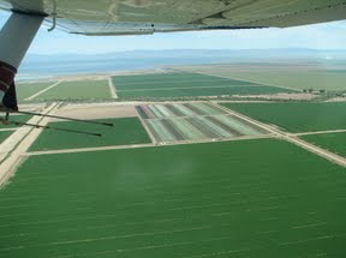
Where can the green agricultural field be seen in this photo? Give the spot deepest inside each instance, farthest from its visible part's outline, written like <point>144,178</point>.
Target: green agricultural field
<point>181,84</point>
<point>334,142</point>
<point>25,90</point>
<point>77,90</point>
<point>16,118</point>
<point>155,77</point>
<point>235,199</point>
<point>125,131</point>
<point>4,135</point>
<point>186,85</point>
<point>213,91</point>
<point>317,80</point>
<point>200,81</point>
<point>295,76</point>
<point>296,117</point>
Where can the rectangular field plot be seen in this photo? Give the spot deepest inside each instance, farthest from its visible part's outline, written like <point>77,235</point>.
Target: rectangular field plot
<point>235,199</point>
<point>201,128</point>
<point>177,85</point>
<point>126,131</point>
<point>177,110</point>
<point>153,77</point>
<point>25,90</point>
<point>200,92</point>
<point>318,79</point>
<point>77,90</point>
<point>193,121</point>
<point>334,142</point>
<point>169,82</point>
<point>296,117</point>
<point>329,76</point>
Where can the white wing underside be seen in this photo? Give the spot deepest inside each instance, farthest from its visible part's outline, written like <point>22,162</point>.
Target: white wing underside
<point>119,17</point>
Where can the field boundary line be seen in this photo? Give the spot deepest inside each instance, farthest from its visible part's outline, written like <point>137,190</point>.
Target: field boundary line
<point>43,91</point>
<point>91,149</point>
<point>157,80</point>
<point>163,82</point>
<point>246,101</point>
<point>319,151</point>
<point>8,129</point>
<point>186,116</point>
<point>291,138</point>
<point>321,132</point>
<point>148,145</point>
<point>112,89</point>
<point>9,144</point>
<point>153,140</point>
<point>252,81</point>
<point>189,88</point>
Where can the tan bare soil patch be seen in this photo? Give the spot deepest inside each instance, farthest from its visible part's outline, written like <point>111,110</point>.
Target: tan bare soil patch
<point>337,99</point>
<point>97,111</point>
<point>32,107</point>
<point>281,96</point>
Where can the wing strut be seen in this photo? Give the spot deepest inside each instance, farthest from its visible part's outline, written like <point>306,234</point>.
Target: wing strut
<point>16,37</point>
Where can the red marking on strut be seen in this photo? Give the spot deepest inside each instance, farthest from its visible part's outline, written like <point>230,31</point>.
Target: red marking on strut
<point>3,87</point>
<point>7,74</point>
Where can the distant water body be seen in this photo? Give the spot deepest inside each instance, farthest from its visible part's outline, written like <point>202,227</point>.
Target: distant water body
<point>46,69</point>
<point>40,67</point>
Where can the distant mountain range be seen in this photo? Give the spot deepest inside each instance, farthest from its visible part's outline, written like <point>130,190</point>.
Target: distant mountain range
<point>36,66</point>
<point>194,54</point>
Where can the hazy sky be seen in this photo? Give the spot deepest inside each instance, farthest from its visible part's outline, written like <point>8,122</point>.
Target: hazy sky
<point>321,36</point>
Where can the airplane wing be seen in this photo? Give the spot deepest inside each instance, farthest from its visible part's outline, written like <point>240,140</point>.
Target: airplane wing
<point>122,17</point>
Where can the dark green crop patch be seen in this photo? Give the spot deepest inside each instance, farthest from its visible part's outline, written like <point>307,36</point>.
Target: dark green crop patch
<point>4,135</point>
<point>126,131</point>
<point>179,85</point>
<point>296,117</point>
<point>334,142</point>
<point>259,198</point>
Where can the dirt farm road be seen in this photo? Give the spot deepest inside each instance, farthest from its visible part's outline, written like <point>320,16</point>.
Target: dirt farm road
<point>19,143</point>
<point>148,145</point>
<point>112,90</point>
<point>43,91</point>
<point>320,132</point>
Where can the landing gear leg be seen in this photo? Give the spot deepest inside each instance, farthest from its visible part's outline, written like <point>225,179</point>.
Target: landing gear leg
<point>6,120</point>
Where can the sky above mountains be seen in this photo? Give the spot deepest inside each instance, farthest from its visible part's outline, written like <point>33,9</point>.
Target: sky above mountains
<point>320,36</point>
